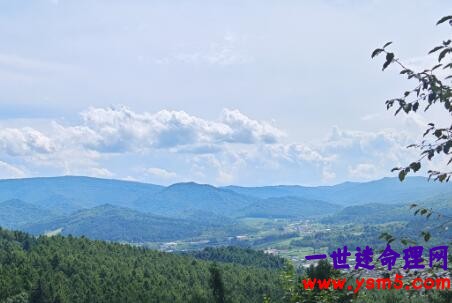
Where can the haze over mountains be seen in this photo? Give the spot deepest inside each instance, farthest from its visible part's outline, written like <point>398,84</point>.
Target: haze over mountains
<point>80,192</point>
<point>114,223</point>
<point>131,211</point>
<point>386,190</point>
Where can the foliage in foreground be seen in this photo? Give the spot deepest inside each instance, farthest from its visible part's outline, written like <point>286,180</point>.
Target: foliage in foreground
<point>67,269</point>
<point>432,88</point>
<point>242,256</point>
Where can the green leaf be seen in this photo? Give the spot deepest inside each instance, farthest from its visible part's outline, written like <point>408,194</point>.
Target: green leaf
<point>438,149</point>
<point>436,66</point>
<point>376,52</point>
<point>442,177</point>
<point>436,49</point>
<point>387,44</point>
<point>389,58</point>
<point>407,108</point>
<point>415,166</point>
<point>402,175</point>
<point>442,54</point>
<point>438,133</point>
<point>431,154</point>
<point>443,19</point>
<point>447,146</point>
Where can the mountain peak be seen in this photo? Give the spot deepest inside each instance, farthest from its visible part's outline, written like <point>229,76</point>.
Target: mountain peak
<point>191,184</point>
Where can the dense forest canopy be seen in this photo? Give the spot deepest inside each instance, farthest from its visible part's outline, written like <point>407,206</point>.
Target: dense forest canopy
<point>68,269</point>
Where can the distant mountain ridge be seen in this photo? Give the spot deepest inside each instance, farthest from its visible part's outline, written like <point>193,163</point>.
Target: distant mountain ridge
<point>181,197</point>
<point>289,207</point>
<point>81,192</point>
<point>132,211</point>
<point>14,213</point>
<point>385,191</point>
<point>108,222</point>
<point>67,194</point>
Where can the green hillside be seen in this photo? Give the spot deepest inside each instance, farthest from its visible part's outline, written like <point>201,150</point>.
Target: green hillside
<point>236,255</point>
<point>14,213</point>
<point>181,197</point>
<point>288,207</point>
<point>113,223</point>
<point>59,269</point>
<point>372,213</point>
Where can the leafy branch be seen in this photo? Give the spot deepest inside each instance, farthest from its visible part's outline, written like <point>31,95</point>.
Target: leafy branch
<point>430,89</point>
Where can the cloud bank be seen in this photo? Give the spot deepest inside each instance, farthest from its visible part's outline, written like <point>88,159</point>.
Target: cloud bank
<point>169,146</point>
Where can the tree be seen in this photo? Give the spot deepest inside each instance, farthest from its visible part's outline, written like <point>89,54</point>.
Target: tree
<point>322,271</point>
<point>216,283</point>
<point>431,89</point>
<point>38,293</point>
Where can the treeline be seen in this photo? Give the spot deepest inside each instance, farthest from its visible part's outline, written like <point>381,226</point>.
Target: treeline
<point>67,269</point>
<point>243,256</point>
<point>360,235</point>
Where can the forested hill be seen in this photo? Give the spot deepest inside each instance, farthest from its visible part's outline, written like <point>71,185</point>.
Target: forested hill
<point>107,222</point>
<point>385,191</point>
<point>243,256</point>
<point>67,269</point>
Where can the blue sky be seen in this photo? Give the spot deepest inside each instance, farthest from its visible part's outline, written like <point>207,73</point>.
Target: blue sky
<point>220,92</point>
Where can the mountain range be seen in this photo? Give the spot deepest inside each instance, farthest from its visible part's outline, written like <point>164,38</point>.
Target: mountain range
<point>138,212</point>
<point>107,222</point>
<point>385,191</point>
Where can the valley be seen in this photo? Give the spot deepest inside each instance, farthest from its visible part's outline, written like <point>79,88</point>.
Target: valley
<point>287,221</point>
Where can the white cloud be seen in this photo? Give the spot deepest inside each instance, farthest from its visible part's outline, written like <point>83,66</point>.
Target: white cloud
<point>328,175</point>
<point>24,141</point>
<point>362,155</point>
<point>8,171</point>
<point>364,171</point>
<point>384,143</point>
<point>111,134</point>
<point>160,173</point>
<point>297,153</point>
<point>120,130</point>
<point>246,130</point>
<point>99,172</point>
<point>231,149</point>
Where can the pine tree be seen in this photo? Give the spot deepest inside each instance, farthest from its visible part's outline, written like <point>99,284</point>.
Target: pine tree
<point>38,293</point>
<point>216,283</point>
